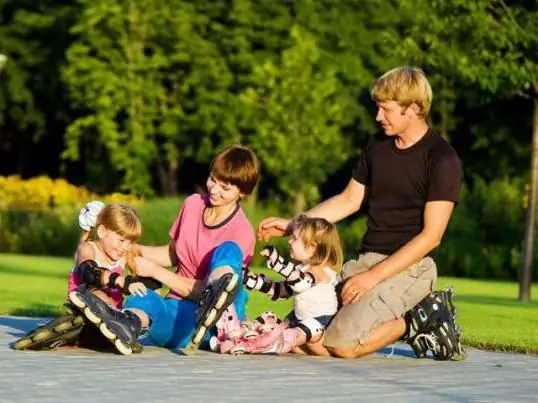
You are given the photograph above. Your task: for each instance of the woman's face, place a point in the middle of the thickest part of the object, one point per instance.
(220, 193)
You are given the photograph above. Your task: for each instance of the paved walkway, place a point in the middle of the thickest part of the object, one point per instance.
(159, 375)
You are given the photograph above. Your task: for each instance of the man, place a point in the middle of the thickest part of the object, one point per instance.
(409, 179)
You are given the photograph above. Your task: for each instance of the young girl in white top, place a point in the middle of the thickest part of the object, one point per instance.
(310, 279)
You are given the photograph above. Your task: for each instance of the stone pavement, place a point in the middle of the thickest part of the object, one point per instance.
(159, 375)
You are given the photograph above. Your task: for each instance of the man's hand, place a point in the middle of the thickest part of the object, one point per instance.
(272, 226)
(357, 286)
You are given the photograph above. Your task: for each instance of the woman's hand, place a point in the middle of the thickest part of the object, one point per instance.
(145, 267)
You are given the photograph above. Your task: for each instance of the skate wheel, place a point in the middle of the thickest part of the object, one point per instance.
(62, 327)
(106, 332)
(232, 284)
(214, 344)
(222, 300)
(75, 299)
(41, 336)
(69, 308)
(91, 316)
(136, 347)
(237, 351)
(211, 318)
(199, 335)
(23, 344)
(122, 348)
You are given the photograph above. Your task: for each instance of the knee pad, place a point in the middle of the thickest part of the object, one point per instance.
(153, 304)
(91, 273)
(310, 327)
(268, 321)
(301, 282)
(228, 254)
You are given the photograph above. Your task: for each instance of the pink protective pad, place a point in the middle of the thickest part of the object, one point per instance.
(278, 340)
(228, 326)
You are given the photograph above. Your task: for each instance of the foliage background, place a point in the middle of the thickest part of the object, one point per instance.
(137, 96)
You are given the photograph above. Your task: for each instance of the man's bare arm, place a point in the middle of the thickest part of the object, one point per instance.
(436, 217)
(341, 205)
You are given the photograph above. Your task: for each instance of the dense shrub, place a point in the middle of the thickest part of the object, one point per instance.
(43, 194)
(484, 238)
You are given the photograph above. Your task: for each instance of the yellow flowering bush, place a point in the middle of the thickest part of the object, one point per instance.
(42, 194)
(39, 215)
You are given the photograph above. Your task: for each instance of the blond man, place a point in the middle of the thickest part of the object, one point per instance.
(409, 180)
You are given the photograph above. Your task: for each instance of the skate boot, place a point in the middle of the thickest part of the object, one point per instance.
(59, 332)
(276, 341)
(217, 296)
(445, 298)
(71, 309)
(230, 330)
(228, 327)
(431, 326)
(264, 323)
(120, 328)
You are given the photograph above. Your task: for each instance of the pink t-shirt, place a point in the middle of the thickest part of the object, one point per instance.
(195, 241)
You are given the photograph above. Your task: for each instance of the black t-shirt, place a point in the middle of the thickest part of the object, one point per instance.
(398, 185)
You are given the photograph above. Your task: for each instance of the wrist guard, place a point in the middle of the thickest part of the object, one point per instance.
(150, 283)
(128, 281)
(258, 282)
(278, 264)
(112, 280)
(90, 273)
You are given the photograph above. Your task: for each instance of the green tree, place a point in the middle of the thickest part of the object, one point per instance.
(33, 37)
(486, 43)
(295, 112)
(136, 69)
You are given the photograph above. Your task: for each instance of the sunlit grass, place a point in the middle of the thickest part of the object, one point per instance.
(489, 312)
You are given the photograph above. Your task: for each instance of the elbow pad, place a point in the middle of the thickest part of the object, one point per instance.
(302, 282)
(277, 263)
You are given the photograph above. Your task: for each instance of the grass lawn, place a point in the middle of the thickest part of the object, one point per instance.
(489, 313)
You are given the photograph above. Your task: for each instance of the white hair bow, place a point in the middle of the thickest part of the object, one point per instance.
(87, 218)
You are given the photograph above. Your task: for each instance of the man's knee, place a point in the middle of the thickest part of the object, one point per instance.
(344, 352)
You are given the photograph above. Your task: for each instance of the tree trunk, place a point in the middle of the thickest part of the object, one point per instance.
(525, 281)
(167, 173)
(299, 202)
(171, 178)
(3, 60)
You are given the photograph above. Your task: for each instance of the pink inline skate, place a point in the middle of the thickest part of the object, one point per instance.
(230, 331)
